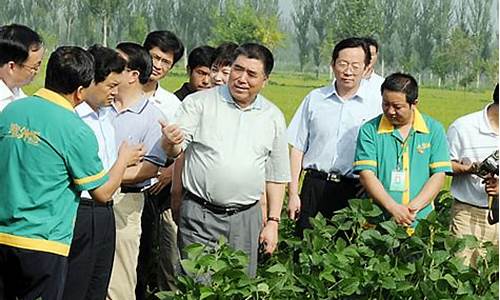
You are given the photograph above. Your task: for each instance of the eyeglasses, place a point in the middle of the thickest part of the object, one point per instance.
(163, 62)
(356, 67)
(31, 68)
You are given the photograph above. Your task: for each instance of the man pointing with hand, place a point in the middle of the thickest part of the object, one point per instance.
(235, 147)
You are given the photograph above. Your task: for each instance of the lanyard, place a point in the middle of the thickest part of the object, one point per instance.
(405, 144)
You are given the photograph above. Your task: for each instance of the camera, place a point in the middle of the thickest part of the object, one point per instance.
(489, 166)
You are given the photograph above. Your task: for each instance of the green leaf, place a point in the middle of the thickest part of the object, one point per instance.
(388, 283)
(349, 285)
(451, 281)
(434, 274)
(206, 292)
(277, 268)
(263, 288)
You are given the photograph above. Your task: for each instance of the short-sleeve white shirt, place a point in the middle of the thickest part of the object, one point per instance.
(471, 138)
(166, 102)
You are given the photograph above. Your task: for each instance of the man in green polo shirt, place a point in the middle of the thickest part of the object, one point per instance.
(49, 155)
(402, 155)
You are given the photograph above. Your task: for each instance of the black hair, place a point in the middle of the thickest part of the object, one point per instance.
(352, 42)
(404, 83)
(138, 59)
(106, 61)
(259, 52)
(16, 41)
(495, 95)
(68, 68)
(200, 57)
(224, 54)
(167, 41)
(370, 42)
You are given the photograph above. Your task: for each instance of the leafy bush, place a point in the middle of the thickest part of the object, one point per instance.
(348, 258)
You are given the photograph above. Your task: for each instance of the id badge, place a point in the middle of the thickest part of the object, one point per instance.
(397, 181)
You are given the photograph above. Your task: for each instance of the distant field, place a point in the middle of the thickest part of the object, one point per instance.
(287, 91)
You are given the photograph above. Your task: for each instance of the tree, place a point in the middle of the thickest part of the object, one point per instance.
(301, 20)
(240, 23)
(103, 9)
(357, 18)
(321, 16)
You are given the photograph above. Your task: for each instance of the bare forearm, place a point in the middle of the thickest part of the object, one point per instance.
(429, 191)
(105, 192)
(461, 169)
(376, 190)
(275, 193)
(172, 150)
(139, 173)
(296, 157)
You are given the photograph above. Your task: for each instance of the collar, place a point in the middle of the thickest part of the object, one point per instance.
(54, 98)
(419, 124)
(227, 97)
(84, 110)
(5, 92)
(359, 95)
(136, 108)
(484, 122)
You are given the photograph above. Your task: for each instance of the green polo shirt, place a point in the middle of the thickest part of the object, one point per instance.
(48, 156)
(424, 153)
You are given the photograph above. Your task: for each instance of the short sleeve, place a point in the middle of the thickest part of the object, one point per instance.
(278, 163)
(440, 157)
(298, 130)
(83, 163)
(152, 138)
(454, 142)
(365, 157)
(188, 117)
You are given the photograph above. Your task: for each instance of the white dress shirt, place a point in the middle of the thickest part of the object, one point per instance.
(7, 95)
(100, 123)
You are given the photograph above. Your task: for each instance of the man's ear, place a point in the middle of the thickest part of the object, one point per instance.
(78, 96)
(134, 76)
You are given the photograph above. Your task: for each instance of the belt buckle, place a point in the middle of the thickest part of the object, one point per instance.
(333, 177)
(231, 210)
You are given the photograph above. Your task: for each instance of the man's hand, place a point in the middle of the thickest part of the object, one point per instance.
(132, 154)
(172, 133)
(175, 204)
(164, 178)
(269, 236)
(491, 186)
(293, 206)
(402, 214)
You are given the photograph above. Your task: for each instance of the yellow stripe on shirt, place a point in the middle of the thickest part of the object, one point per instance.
(88, 179)
(365, 163)
(440, 164)
(34, 244)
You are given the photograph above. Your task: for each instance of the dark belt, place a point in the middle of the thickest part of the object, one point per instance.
(476, 206)
(219, 209)
(333, 177)
(90, 202)
(130, 189)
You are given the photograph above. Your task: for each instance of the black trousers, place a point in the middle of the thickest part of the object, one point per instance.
(28, 275)
(92, 252)
(318, 195)
(147, 264)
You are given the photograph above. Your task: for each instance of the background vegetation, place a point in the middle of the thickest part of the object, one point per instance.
(451, 43)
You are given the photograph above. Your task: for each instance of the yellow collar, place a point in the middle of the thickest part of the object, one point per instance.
(385, 125)
(54, 98)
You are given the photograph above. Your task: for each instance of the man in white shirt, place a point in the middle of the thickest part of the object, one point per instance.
(158, 228)
(372, 79)
(21, 52)
(93, 247)
(472, 138)
(323, 135)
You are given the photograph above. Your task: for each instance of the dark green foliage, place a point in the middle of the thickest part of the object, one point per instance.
(348, 258)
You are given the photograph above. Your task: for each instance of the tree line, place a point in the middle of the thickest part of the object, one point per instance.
(444, 42)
